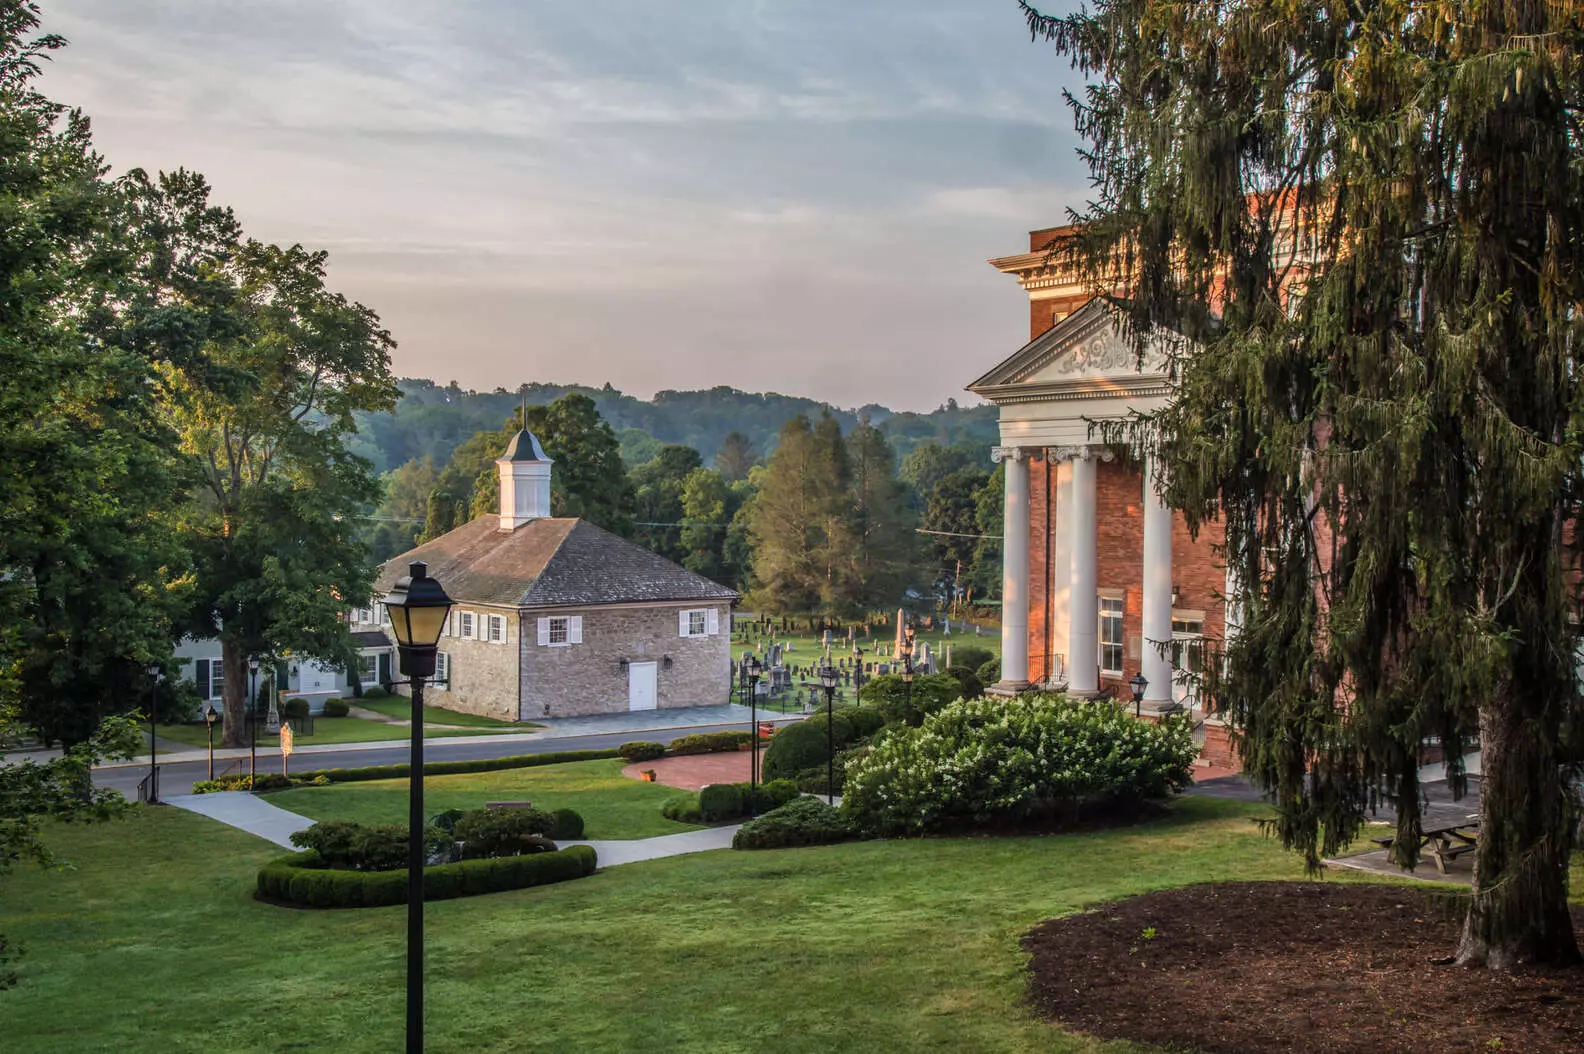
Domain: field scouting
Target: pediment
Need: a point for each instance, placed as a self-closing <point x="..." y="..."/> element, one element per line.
<point x="1086" y="348"/>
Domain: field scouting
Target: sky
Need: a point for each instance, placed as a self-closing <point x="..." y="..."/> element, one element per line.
<point x="776" y="196"/>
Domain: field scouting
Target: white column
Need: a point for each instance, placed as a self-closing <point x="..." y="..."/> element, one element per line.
<point x="1061" y="569"/>
<point x="1083" y="604"/>
<point x="1014" y="572"/>
<point x="1156" y="665"/>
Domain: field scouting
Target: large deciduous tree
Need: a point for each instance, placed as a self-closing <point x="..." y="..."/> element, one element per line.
<point x="881" y="549"/>
<point x="265" y="369"/>
<point x="1368" y="219"/>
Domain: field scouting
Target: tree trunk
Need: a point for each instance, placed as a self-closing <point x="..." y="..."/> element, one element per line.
<point x="1519" y="913"/>
<point x="234" y="664"/>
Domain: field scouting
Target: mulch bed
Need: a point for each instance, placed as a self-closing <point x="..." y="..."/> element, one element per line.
<point x="1251" y="967"/>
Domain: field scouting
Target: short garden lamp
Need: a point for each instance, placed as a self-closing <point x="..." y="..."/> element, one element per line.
<point x="751" y="670"/>
<point x="829" y="678"/>
<point x="1138" y="683"/>
<point x="418" y="607"/>
<point x="211" y="715"/>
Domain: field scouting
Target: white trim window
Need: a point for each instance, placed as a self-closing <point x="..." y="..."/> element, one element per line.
<point x="1111" y="636"/>
<point x="496" y="629"/>
<point x="560" y="631"/>
<point x="209" y="678"/>
<point x="467" y="625"/>
<point x="698" y="622"/>
<point x="442" y="674"/>
<point x="368" y="667"/>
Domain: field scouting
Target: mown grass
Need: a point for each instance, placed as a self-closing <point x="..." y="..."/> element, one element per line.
<point x="401" y="709"/>
<point x="327" y="731"/>
<point x="154" y="944"/>
<point x="612" y="806"/>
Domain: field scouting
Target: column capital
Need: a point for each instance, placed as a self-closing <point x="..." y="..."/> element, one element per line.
<point x="999" y="454"/>
<point x="1081" y="452"/>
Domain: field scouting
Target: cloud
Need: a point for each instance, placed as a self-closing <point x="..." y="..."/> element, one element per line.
<point x="659" y="195"/>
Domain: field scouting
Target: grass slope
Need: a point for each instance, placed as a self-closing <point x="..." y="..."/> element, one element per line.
<point x="154" y="944"/>
<point x="329" y="730"/>
<point x="612" y="806"/>
<point x="437" y="715"/>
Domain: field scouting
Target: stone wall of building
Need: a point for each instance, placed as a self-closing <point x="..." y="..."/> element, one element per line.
<point x="483" y="673"/>
<point x="588" y="678"/>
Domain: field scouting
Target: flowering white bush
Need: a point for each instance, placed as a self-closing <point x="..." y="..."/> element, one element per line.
<point x="990" y="760"/>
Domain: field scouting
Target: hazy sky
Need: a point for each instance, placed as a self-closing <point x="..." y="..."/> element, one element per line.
<point x="782" y="196"/>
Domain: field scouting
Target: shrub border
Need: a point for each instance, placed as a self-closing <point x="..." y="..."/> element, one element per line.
<point x="296" y="880"/>
<point x="446" y="768"/>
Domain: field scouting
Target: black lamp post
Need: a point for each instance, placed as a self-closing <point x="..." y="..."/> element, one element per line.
<point x="252" y="720"/>
<point x="1138" y="683"/>
<point x="751" y="671"/>
<point x="210" y="717"/>
<point x="828" y="679"/>
<point x="153" y="670"/>
<point x="418" y="607"/>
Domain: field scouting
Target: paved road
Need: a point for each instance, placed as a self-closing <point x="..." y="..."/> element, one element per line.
<point x="178" y="777"/>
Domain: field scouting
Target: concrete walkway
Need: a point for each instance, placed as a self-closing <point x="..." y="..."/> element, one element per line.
<point x="613" y="854"/>
<point x="246" y="812"/>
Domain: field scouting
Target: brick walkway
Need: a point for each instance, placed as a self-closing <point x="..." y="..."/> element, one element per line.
<point x="692" y="771"/>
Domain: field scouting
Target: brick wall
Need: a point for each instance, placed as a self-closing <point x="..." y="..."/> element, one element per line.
<point x="587" y="678"/>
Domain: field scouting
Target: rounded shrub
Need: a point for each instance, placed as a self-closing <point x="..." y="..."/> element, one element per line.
<point x="803" y="744"/>
<point x="967" y="682"/>
<point x="641" y="750"/>
<point x="721" y="801"/>
<point x="804" y="821"/>
<point x="989" y="673"/>
<point x="972" y="656"/>
<point x="503" y="832"/>
<point x="1017" y="762"/>
<point x="684" y="808"/>
<point x="337" y="708"/>
<point x="296" y="706"/>
<point x="565" y="825"/>
<point x="376" y="691"/>
<point x="865" y="720"/>
<point x="899" y="704"/>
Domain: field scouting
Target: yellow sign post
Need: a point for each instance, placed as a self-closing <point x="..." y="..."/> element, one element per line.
<point x="286" y="745"/>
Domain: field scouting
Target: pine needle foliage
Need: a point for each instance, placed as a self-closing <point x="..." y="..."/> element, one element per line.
<point x="1366" y="218"/>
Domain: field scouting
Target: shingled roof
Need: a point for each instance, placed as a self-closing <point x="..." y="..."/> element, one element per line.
<point x="550" y="562"/>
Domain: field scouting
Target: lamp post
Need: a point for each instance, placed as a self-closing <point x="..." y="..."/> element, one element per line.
<point x="828" y="678"/>
<point x="252" y="720"/>
<point x="907" y="675"/>
<point x="210" y="717"/>
<point x="418" y="607"/>
<point x="1138" y="683"/>
<point x="153" y="670"/>
<point x="751" y="671"/>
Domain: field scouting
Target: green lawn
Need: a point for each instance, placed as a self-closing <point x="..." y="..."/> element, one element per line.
<point x="612" y="806"/>
<point x="402" y="709"/>
<point x="153" y="943"/>
<point x="327" y="730"/>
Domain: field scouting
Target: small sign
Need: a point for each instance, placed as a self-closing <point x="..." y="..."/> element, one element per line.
<point x="286" y="741"/>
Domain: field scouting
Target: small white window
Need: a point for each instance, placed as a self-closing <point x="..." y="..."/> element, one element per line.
<point x="497" y="629"/>
<point x="1111" y="635"/>
<point x="442" y="677"/>
<point x="465" y="630"/>
<point x="560" y="631"/>
<point x="368" y="668"/>
<point x="698" y="622"/>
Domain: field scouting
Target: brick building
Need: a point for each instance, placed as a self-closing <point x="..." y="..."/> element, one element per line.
<point x="556" y="617"/>
<point x="1101" y="580"/>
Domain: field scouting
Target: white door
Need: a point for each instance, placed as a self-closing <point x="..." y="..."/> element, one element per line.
<point x="642" y="680"/>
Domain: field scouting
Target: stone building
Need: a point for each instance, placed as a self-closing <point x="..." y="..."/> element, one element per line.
<point x="1100" y="579"/>
<point x="556" y="617"/>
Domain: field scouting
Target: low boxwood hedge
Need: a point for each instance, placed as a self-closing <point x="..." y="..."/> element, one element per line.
<point x="641" y="750"/>
<point x="708" y="742"/>
<point x="302" y="879"/>
<point x="446" y="768"/>
<point x="806" y="821"/>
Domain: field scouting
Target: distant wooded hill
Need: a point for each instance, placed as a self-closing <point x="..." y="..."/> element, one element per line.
<point x="432" y="420"/>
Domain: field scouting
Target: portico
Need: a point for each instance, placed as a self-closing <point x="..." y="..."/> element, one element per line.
<point x="1090" y="587"/>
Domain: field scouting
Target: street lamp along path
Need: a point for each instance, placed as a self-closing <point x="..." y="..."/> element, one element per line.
<point x="418" y="607"/>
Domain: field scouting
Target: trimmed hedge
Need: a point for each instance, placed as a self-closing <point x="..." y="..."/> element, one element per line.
<point x="806" y="821"/>
<point x="296" y="706"/>
<point x="720" y="802"/>
<point x="565" y="825"/>
<point x="267" y="781"/>
<point x="445" y="768"/>
<point x="801" y="746"/>
<point x="641" y="750"/>
<point x="337" y="708"/>
<point x="709" y="742"/>
<point x="302" y="879"/>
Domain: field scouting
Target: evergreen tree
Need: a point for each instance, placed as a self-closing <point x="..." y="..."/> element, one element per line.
<point x="1366" y="218"/>
<point x="882" y="551"/>
<point x="706" y="501"/>
<point x="437" y="516"/>
<point x="735" y="457"/>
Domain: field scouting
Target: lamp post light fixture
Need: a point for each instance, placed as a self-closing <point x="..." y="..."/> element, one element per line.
<point x="828" y="679"/>
<point x="153" y="671"/>
<point x="751" y="671"/>
<point x="1138" y="683"/>
<point x="252" y="720"/>
<point x="211" y="715"/>
<point x="418" y="607"/>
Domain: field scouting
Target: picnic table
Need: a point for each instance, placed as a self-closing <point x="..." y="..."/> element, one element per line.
<point x="1446" y="840"/>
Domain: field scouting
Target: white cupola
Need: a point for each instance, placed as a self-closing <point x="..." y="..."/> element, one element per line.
<point x="524" y="482"/>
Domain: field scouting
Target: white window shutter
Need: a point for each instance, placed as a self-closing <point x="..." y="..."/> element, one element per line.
<point x="682" y="623"/>
<point x="575" y="629"/>
<point x="544" y="632"/>
<point x="713" y="619"/>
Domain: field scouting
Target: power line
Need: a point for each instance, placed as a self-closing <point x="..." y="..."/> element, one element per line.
<point x="955" y="534"/>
